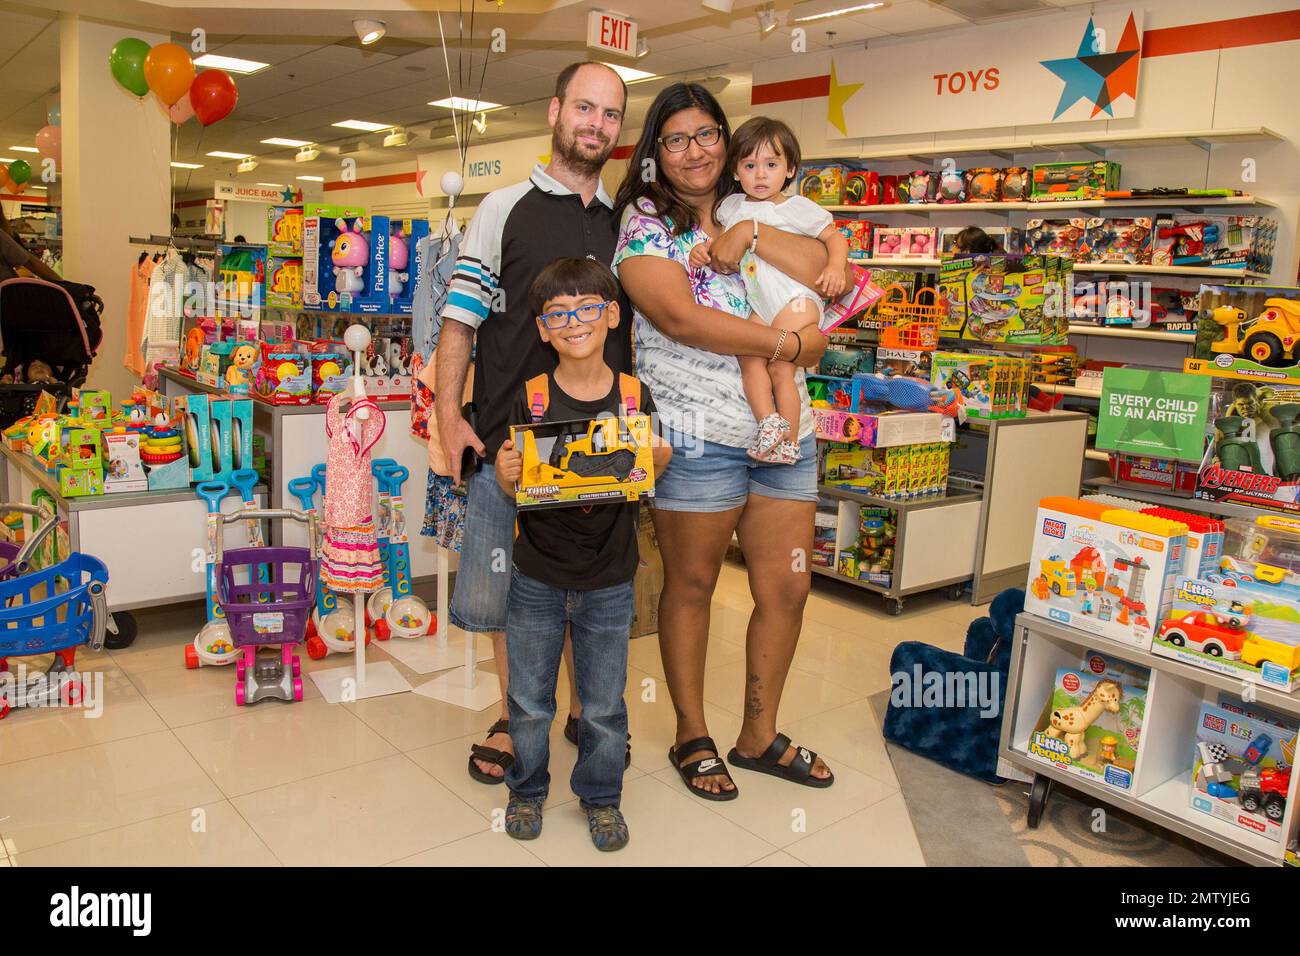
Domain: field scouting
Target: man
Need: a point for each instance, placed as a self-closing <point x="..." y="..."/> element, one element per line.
<point x="560" y="211"/>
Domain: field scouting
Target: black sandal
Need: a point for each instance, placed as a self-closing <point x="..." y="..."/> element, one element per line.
<point x="571" y="735"/>
<point x="705" y="767"/>
<point x="799" y="770"/>
<point x="491" y="755"/>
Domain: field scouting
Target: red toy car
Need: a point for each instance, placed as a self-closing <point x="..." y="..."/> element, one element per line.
<point x="1203" y="631"/>
<point x="1266" y="790"/>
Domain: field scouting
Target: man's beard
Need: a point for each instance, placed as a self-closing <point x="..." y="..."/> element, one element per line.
<point x="565" y="147"/>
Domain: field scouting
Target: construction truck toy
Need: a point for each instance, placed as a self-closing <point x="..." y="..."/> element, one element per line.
<point x="1271" y="338"/>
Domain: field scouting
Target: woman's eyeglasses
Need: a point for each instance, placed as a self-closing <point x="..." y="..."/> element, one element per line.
<point x="680" y="142"/>
<point x="585" y="314"/>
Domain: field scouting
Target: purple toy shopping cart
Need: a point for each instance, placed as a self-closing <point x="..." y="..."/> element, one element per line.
<point x="269" y="609"/>
<point x="16" y="559"/>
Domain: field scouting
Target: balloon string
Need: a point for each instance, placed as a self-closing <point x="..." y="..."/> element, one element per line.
<point x="460" y="151"/>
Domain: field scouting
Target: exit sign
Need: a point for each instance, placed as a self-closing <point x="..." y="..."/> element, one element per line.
<point x="611" y="32"/>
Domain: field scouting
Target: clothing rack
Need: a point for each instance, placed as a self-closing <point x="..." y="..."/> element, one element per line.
<point x="179" y="242"/>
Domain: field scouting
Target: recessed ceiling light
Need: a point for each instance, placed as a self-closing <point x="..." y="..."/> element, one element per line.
<point x="222" y="154"/>
<point x="25" y="149"/>
<point x="312" y="179"/>
<point x="7" y="159"/>
<point x="628" y="74"/>
<point x="722" y="6"/>
<point x="230" y="64"/>
<point x="38" y="187"/>
<point x="274" y="185"/>
<point x="187" y="165"/>
<point x="810" y="10"/>
<point x="281" y="141"/>
<point x="461" y="103"/>
<point x="368" y="31"/>
<point x="364" y="125"/>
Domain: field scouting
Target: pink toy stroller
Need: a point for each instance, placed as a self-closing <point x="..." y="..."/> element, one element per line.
<point x="268" y="609"/>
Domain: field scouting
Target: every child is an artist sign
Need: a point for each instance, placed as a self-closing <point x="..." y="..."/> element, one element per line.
<point x="1160" y="414"/>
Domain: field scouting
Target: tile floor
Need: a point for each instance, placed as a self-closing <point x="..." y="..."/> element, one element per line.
<point x="173" y="772"/>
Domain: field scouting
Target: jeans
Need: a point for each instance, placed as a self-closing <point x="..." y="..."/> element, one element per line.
<point x="478" y="603"/>
<point x="600" y="623"/>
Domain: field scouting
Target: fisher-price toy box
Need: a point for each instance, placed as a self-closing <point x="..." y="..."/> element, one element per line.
<point x="577" y="463"/>
<point x="1091" y="726"/>
<point x="284" y="375"/>
<point x="405" y="260"/>
<point x="1103" y="569"/>
<point x="1241" y="768"/>
<point x="283" y="282"/>
<point x="344" y="260"/>
<point x="284" y="231"/>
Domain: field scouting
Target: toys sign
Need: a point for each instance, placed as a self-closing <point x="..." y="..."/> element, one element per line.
<point x="1072" y="69"/>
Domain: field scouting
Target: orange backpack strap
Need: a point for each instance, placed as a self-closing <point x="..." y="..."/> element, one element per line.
<point x="629" y="387"/>
<point x="538" y="392"/>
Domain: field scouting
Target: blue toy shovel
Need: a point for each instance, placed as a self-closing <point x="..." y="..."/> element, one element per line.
<point x="212" y="645"/>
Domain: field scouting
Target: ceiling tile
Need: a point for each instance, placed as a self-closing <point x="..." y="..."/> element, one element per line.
<point x="908" y="16"/>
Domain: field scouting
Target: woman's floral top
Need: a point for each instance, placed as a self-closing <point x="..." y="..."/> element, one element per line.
<point x="696" y="391"/>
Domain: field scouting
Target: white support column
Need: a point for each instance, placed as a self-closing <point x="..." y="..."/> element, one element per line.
<point x="116" y="178"/>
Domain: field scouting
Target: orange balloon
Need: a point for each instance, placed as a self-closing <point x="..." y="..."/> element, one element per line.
<point x="6" y="184"/>
<point x="169" y="71"/>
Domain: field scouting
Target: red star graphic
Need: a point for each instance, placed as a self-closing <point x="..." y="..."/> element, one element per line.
<point x="1125" y="78"/>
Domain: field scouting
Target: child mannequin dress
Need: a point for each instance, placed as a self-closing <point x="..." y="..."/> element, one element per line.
<point x="350" y="558"/>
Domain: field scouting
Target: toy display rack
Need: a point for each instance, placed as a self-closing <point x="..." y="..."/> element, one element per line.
<point x="111" y="527"/>
<point x="986" y="520"/>
<point x="1225" y="509"/>
<point x="1162" y="780"/>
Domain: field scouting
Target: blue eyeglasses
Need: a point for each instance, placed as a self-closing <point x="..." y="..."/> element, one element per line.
<point x="586" y="314"/>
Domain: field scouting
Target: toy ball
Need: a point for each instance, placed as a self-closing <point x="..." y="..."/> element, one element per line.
<point x="451" y="184"/>
<point x="285" y="370"/>
<point x="329" y="370"/>
<point x="357" y="338"/>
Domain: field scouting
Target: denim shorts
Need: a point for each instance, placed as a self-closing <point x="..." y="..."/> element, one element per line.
<point x="481" y="599"/>
<point x="706" y="476"/>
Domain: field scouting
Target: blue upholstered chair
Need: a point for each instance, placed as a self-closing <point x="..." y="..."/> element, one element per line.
<point x="953" y="729"/>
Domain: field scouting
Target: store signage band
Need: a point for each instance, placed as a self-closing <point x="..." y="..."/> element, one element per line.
<point x="1076" y="69"/>
<point x="611" y="32"/>
<point x="247" y="192"/>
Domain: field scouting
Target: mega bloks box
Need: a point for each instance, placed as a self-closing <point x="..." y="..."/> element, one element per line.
<point x="284" y="231"/>
<point x="577" y="463"/>
<point x="1102" y="569"/>
<point x="1087" y="180"/>
<point x="1241" y="769"/>
<point x="1092" y="724"/>
<point x="1242" y="617"/>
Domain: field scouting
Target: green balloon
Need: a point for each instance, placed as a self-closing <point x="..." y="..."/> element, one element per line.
<point x="20" y="171"/>
<point x="126" y="61"/>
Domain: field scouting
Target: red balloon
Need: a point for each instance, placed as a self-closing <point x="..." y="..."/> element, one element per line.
<point x="213" y="95"/>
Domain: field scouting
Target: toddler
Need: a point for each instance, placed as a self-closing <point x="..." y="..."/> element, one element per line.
<point x="764" y="158"/>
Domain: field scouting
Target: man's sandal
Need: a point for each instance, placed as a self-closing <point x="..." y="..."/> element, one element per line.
<point x="491" y="755"/>
<point x="704" y="767"/>
<point x="571" y="735"/>
<point x="799" y="770"/>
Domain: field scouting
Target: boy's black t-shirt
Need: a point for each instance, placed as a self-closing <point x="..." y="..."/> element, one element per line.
<point x="578" y="548"/>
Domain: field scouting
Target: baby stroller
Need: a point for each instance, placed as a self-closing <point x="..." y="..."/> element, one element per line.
<point x="54" y="610"/>
<point x="54" y="324"/>
<point x="268" y="608"/>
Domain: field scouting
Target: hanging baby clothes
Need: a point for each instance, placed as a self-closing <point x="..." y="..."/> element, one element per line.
<point x="350" y="558"/>
<point x="137" y="312"/>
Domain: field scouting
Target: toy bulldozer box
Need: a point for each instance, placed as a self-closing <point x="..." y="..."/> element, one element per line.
<point x="582" y="462"/>
<point x="1248" y="332"/>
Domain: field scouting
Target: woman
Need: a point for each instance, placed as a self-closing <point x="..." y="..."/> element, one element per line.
<point x="689" y="327"/>
<point x="14" y="256"/>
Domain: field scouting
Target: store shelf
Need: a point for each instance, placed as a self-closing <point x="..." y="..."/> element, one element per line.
<point x="1047" y="205"/>
<point x="856" y="582"/>
<point x="1072" y="390"/>
<point x="1228" y="275"/>
<point x="194" y="385"/>
<point x="909" y="504"/>
<point x="919" y="208"/>
<point x="1093" y="454"/>
<point x="1199" y="505"/>
<point x="897" y="263"/>
<point x="1123" y="332"/>
<point x="1006" y="149"/>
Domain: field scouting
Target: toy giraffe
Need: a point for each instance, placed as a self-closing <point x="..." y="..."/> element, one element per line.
<point x="1072" y="722"/>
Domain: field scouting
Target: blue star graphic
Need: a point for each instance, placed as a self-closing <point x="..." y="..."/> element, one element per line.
<point x="1080" y="75"/>
<point x="289" y="194"/>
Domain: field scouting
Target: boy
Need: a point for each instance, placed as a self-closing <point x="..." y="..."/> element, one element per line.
<point x="573" y="567"/>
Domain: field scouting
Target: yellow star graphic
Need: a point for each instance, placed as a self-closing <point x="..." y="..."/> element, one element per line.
<point x="839" y="95"/>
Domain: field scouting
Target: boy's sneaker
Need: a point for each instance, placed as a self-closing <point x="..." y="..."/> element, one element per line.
<point x="608" y="828"/>
<point x="524" y="817"/>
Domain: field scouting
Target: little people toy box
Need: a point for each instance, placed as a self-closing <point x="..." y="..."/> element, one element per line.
<point x="1103" y="569"/>
<point x="284" y="231"/>
<point x="1091" y="726"/>
<point x="584" y="462"/>
<point x="1241" y="769"/>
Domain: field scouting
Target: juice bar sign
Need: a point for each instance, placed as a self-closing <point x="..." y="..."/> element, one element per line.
<point x="246" y="192"/>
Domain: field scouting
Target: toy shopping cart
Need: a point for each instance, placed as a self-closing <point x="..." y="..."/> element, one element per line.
<point x="909" y="323"/>
<point x="267" y="609"/>
<point x="54" y="610"/>
<point x="16" y="559"/>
